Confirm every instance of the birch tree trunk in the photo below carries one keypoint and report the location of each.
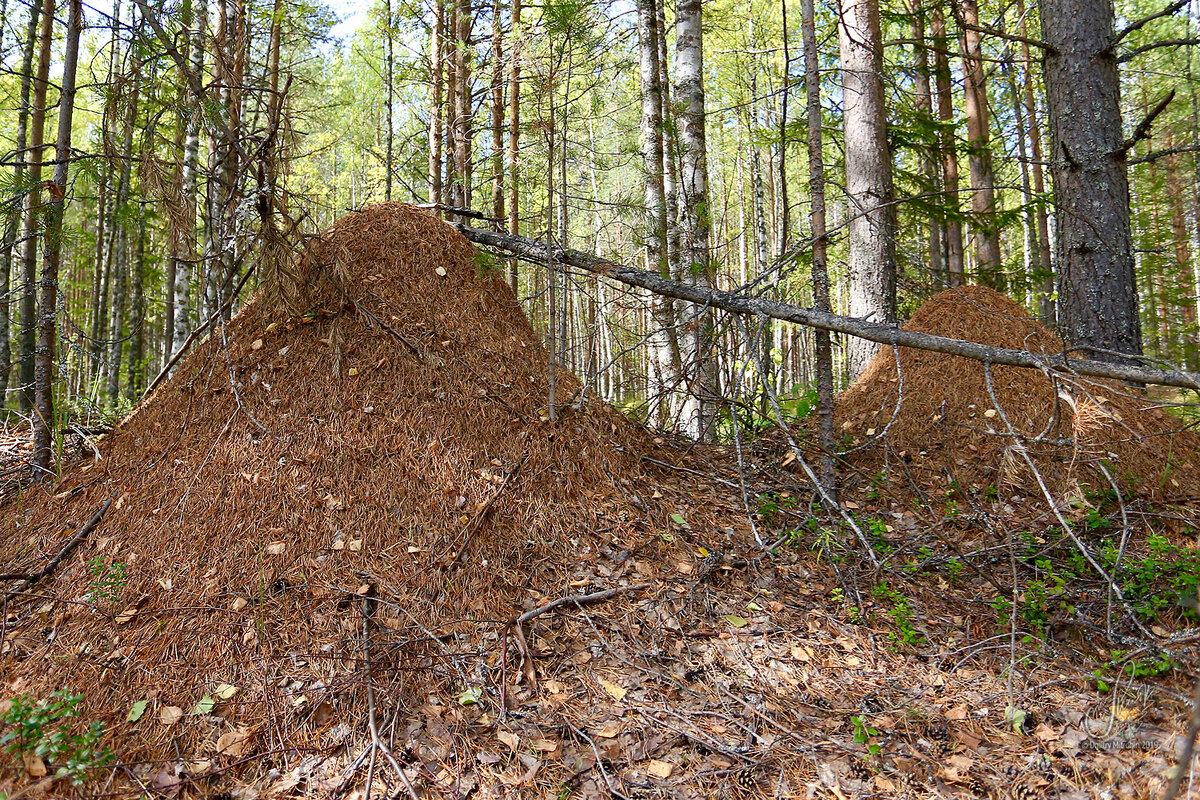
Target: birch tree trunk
(1043, 265)
(696, 331)
(1097, 289)
(497, 116)
(872, 226)
(514, 134)
(191, 162)
(436, 107)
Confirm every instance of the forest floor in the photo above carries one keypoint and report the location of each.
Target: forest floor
(350, 552)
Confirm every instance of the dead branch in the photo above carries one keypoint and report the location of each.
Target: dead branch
(1144, 21)
(863, 329)
(578, 599)
(1189, 745)
(477, 520)
(1142, 131)
(81, 534)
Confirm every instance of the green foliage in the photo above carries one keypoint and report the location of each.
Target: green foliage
(902, 615)
(44, 728)
(108, 580)
(863, 734)
(1167, 578)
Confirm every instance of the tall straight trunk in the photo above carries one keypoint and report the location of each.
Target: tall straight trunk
(872, 227)
(33, 209)
(1097, 289)
(43, 418)
(12, 218)
(436, 106)
(389, 154)
(182, 289)
(461, 187)
(1044, 265)
(930, 168)
(655, 223)
(696, 331)
(761, 242)
(1030, 245)
(985, 231)
(514, 134)
(669, 140)
(820, 273)
(136, 371)
(1183, 259)
(497, 117)
(118, 256)
(948, 149)
(784, 209)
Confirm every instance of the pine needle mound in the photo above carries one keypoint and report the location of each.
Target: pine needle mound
(948, 426)
(392, 441)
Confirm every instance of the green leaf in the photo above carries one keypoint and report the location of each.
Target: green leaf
(138, 709)
(679, 520)
(470, 696)
(736, 621)
(205, 706)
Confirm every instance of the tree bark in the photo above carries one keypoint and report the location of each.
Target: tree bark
(514, 133)
(930, 168)
(696, 331)
(44, 419)
(826, 471)
(190, 169)
(13, 217)
(948, 149)
(1044, 265)
(872, 227)
(986, 233)
(436, 107)
(33, 210)
(389, 153)
(497, 116)
(1097, 289)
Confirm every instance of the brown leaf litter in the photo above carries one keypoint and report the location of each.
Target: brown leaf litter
(332, 522)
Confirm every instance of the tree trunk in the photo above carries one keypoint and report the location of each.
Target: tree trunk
(191, 162)
(696, 331)
(117, 248)
(1044, 270)
(389, 154)
(13, 218)
(985, 234)
(497, 117)
(820, 274)
(514, 134)
(949, 152)
(1183, 260)
(872, 226)
(1097, 289)
(930, 169)
(44, 419)
(33, 210)
(655, 233)
(436, 107)
(136, 372)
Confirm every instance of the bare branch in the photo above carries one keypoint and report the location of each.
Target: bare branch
(864, 329)
(1141, 23)
(1143, 128)
(1146, 48)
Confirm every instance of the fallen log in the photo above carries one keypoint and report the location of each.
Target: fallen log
(863, 329)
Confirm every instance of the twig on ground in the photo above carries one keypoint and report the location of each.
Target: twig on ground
(477, 520)
(81, 534)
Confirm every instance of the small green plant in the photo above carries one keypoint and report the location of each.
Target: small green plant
(863, 734)
(902, 615)
(44, 728)
(108, 580)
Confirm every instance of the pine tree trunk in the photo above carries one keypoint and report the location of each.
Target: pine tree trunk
(33, 210)
(13, 218)
(118, 256)
(497, 117)
(1044, 267)
(986, 233)
(44, 419)
(136, 372)
(1097, 290)
(930, 168)
(948, 150)
(389, 154)
(820, 274)
(1183, 259)
(872, 227)
(514, 135)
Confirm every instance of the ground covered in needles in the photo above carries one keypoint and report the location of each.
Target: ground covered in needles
(352, 549)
